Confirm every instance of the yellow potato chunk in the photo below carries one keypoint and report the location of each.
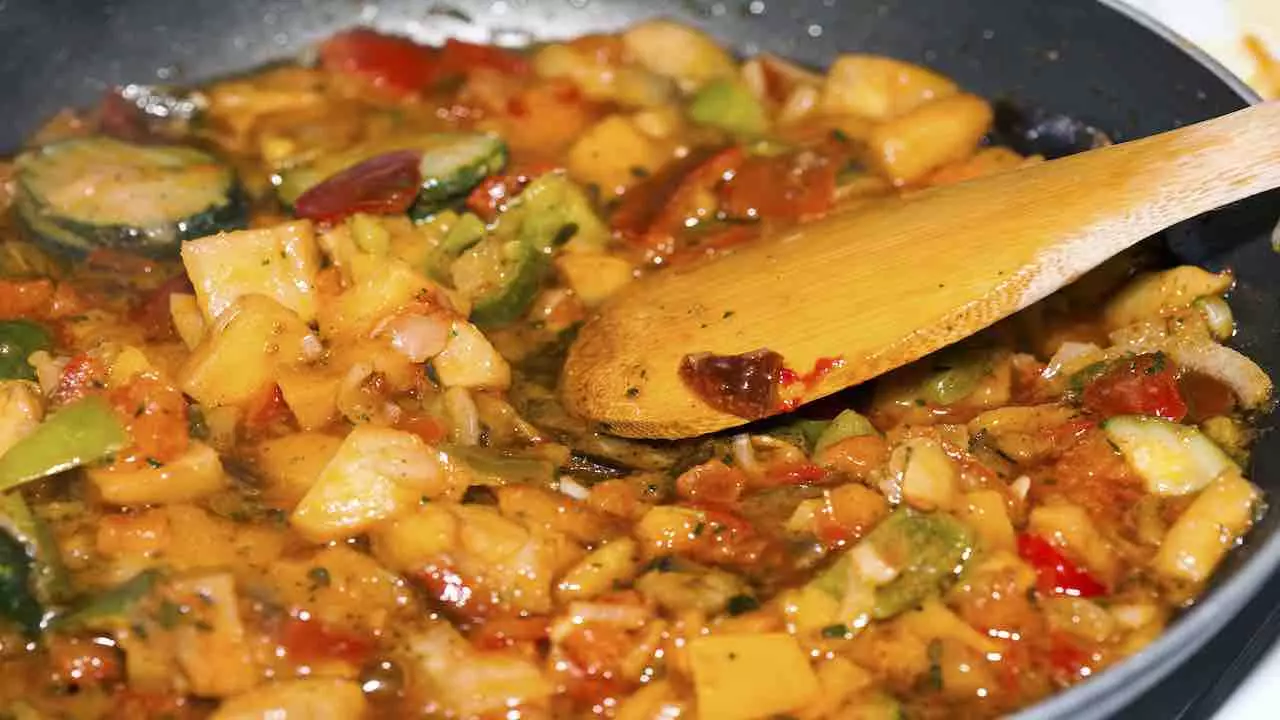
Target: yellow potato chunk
(737, 677)
(280, 262)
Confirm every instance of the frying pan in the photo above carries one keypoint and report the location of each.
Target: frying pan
(1096, 63)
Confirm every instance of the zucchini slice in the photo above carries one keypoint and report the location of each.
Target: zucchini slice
(452, 164)
(96, 192)
(1173, 459)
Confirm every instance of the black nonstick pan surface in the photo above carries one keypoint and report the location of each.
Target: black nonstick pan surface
(1088, 61)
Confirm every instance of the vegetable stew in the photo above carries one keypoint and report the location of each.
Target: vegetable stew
(279, 432)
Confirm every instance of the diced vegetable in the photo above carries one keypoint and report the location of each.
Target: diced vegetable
(926, 549)
(750, 675)
(383, 185)
(291, 464)
(1206, 530)
(50, 581)
(18, 340)
(927, 477)
(239, 359)
(1173, 459)
(96, 192)
(18, 603)
(314, 698)
(606, 568)
(357, 311)
(472, 683)
(469, 360)
(679, 52)
(1140, 385)
(409, 542)
(594, 277)
(1070, 527)
(1055, 573)
(388, 62)
(847, 424)
(112, 608)
(376, 474)
(1152, 295)
(449, 165)
(728, 104)
(1217, 316)
(210, 642)
(311, 394)
(958, 373)
(908, 147)
(986, 512)
(485, 466)
(1250, 382)
(614, 155)
(21, 409)
(187, 319)
(880, 88)
(279, 262)
(197, 474)
(78, 434)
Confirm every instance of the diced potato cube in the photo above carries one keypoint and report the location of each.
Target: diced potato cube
(594, 277)
(406, 543)
(601, 571)
(291, 464)
(910, 146)
(188, 319)
(376, 474)
(209, 638)
(985, 511)
(354, 591)
(198, 473)
(879, 87)
(1151, 295)
(238, 361)
(750, 675)
(280, 262)
(470, 361)
(678, 51)
(472, 683)
(1202, 535)
(613, 155)
(129, 363)
(358, 310)
(311, 394)
(300, 699)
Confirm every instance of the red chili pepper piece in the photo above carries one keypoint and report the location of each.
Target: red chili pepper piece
(392, 63)
(458, 57)
(384, 185)
(1142, 385)
(1055, 573)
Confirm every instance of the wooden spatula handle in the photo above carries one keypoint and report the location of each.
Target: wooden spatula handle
(884, 286)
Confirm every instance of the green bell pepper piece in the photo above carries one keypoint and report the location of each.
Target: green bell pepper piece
(85, 431)
(18, 339)
(729, 105)
(845, 425)
(113, 607)
(929, 548)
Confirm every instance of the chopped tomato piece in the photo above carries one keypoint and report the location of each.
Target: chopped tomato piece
(1068, 661)
(794, 473)
(458, 57)
(388, 62)
(83, 375)
(653, 211)
(426, 427)
(1143, 385)
(786, 187)
(491, 196)
(155, 414)
(1055, 573)
(24, 298)
(725, 537)
(310, 641)
(711, 482)
(385, 185)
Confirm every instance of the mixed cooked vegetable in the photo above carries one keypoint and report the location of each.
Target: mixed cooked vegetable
(279, 432)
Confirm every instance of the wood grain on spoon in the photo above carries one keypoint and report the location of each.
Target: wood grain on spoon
(884, 286)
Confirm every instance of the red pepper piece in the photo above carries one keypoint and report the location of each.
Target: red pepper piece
(1055, 573)
(787, 187)
(1143, 385)
(388, 62)
(386, 185)
(310, 641)
(459, 57)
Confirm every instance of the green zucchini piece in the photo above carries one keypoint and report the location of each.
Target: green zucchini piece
(503, 272)
(927, 548)
(83, 432)
(845, 425)
(1173, 459)
(452, 164)
(957, 373)
(96, 192)
(18, 602)
(18, 339)
(493, 467)
(52, 584)
(113, 607)
(801, 432)
(728, 104)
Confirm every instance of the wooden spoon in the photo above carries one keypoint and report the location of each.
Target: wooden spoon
(879, 288)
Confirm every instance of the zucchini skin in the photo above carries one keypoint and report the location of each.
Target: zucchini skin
(75, 238)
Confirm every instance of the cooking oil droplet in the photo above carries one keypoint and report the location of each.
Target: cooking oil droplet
(755, 7)
(815, 30)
